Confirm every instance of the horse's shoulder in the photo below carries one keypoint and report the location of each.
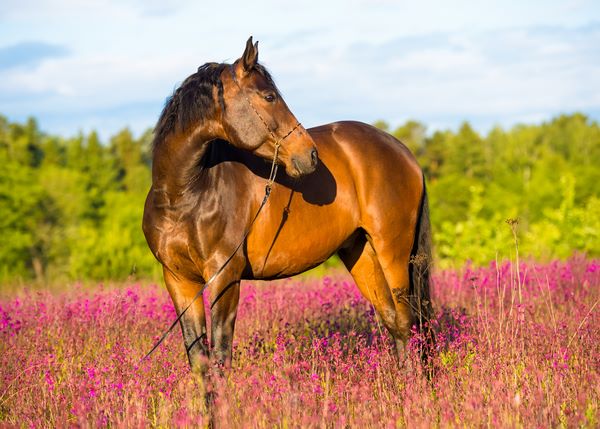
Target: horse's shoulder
(165, 222)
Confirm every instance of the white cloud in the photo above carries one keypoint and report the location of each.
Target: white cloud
(333, 60)
(486, 77)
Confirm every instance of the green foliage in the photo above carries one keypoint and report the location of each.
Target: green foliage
(475, 238)
(546, 176)
(116, 248)
(567, 226)
(72, 208)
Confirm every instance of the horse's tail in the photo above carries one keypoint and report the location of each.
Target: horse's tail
(420, 268)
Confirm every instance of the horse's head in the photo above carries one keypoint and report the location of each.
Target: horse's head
(256, 118)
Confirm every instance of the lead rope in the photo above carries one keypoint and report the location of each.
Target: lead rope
(219, 271)
(268, 188)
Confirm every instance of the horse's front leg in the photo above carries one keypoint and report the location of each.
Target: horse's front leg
(224, 304)
(193, 323)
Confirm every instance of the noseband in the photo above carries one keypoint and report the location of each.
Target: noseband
(277, 140)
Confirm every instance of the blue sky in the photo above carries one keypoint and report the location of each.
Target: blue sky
(104, 64)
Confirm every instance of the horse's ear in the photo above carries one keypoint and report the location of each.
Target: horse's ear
(250, 57)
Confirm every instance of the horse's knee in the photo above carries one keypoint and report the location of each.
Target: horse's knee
(223, 326)
(224, 313)
(222, 348)
(197, 352)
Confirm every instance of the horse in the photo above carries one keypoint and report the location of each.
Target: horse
(347, 188)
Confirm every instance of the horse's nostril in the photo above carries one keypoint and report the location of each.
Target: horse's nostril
(295, 163)
(314, 156)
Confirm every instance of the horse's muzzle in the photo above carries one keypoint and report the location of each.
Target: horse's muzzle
(305, 164)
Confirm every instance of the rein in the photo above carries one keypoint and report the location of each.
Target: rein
(268, 188)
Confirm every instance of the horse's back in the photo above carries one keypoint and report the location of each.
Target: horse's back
(362, 144)
(383, 169)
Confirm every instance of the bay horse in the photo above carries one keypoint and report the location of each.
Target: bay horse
(348, 188)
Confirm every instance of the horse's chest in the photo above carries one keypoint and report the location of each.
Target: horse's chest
(171, 240)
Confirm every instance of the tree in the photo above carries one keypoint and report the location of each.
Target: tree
(412, 134)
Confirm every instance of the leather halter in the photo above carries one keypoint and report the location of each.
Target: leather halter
(277, 140)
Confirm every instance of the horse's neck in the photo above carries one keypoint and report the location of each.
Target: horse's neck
(177, 164)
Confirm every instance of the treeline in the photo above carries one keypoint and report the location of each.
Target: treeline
(71, 208)
(542, 181)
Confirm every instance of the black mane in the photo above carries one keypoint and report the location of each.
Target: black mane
(193, 101)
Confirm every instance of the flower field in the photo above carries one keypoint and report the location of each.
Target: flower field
(516, 348)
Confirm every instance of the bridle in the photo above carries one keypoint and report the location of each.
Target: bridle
(268, 187)
(278, 141)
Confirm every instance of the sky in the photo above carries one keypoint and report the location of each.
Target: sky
(104, 65)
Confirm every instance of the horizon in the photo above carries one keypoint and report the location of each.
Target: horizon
(391, 128)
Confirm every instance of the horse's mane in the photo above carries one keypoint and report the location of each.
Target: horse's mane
(193, 101)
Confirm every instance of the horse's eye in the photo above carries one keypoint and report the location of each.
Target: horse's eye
(270, 98)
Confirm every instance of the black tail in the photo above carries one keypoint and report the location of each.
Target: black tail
(420, 267)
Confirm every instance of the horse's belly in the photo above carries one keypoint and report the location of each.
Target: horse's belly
(296, 236)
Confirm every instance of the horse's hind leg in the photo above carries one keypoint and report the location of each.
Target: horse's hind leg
(360, 259)
(193, 323)
(393, 253)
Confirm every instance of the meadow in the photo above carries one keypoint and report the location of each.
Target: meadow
(517, 346)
